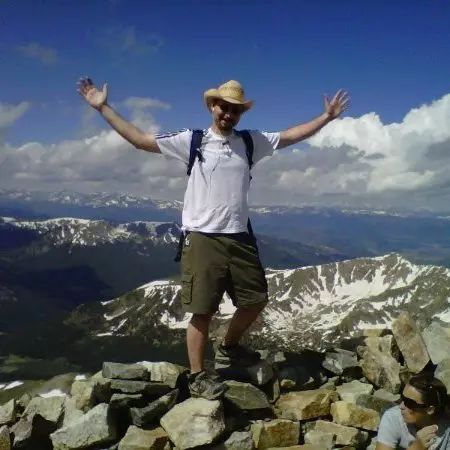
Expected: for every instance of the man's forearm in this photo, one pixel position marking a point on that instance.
(126, 129)
(303, 131)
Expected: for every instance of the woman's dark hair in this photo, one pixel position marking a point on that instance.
(434, 392)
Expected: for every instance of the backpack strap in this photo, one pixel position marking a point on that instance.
(249, 147)
(194, 151)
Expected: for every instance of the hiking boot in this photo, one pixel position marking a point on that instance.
(236, 355)
(204, 385)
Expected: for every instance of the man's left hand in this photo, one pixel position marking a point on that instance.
(335, 107)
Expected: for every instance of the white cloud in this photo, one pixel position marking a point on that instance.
(352, 161)
(11, 113)
(45, 55)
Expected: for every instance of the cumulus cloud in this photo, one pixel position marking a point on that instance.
(45, 55)
(128, 40)
(11, 113)
(352, 161)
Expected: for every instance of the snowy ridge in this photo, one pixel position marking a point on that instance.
(310, 306)
(84, 232)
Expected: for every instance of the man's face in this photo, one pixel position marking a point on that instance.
(226, 115)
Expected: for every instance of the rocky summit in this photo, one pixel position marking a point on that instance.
(311, 401)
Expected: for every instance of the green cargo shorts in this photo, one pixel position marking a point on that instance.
(213, 264)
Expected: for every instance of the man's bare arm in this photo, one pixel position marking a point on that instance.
(99, 101)
(302, 131)
(333, 109)
(135, 136)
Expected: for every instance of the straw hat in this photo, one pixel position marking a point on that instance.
(231, 92)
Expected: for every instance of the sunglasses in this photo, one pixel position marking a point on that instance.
(412, 404)
(229, 108)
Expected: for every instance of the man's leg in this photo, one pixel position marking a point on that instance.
(197, 337)
(242, 318)
(248, 289)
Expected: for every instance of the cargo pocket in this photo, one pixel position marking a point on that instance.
(186, 288)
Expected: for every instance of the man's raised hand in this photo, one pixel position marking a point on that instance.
(339, 103)
(91, 94)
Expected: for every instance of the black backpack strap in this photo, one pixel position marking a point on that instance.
(194, 151)
(249, 147)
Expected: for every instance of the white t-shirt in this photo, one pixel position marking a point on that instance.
(216, 197)
(395, 433)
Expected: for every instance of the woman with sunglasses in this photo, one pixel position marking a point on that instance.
(420, 421)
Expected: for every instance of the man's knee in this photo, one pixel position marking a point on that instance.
(201, 319)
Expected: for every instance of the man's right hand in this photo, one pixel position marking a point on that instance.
(91, 94)
(427, 435)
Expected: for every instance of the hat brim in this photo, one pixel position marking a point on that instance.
(214, 94)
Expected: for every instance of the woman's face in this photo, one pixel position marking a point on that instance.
(414, 410)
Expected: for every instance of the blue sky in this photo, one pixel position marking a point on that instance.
(391, 56)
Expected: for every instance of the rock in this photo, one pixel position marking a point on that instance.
(410, 342)
(149, 389)
(239, 440)
(386, 395)
(5, 439)
(49, 409)
(349, 392)
(9, 412)
(126, 401)
(194, 422)
(437, 341)
(345, 413)
(138, 439)
(124, 371)
(22, 431)
(372, 402)
(71, 412)
(339, 360)
(304, 405)
(323, 440)
(83, 394)
(246, 396)
(442, 373)
(154, 411)
(164, 372)
(276, 433)
(344, 435)
(381, 369)
(385, 344)
(93, 428)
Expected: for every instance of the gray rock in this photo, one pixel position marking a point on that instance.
(442, 373)
(124, 371)
(8, 412)
(239, 440)
(126, 401)
(372, 402)
(410, 342)
(194, 422)
(275, 433)
(22, 431)
(155, 410)
(246, 396)
(437, 341)
(340, 360)
(50, 409)
(137, 439)
(164, 372)
(96, 427)
(349, 392)
(149, 389)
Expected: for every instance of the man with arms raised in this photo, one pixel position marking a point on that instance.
(219, 253)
